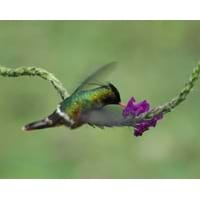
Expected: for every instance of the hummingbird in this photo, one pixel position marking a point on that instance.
(99, 106)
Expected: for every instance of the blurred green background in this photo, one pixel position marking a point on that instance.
(155, 60)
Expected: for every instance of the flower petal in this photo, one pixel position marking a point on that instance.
(134, 109)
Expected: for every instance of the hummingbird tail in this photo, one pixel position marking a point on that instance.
(49, 122)
(38, 125)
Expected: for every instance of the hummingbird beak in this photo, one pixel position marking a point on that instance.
(123, 105)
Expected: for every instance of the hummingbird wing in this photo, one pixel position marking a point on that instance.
(109, 116)
(102, 71)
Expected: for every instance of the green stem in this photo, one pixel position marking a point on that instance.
(35, 71)
(169, 106)
(166, 108)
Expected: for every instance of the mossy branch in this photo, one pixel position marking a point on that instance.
(35, 71)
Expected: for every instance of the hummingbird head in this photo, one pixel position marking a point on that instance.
(113, 97)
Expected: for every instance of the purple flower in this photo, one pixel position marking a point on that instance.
(133, 109)
(143, 126)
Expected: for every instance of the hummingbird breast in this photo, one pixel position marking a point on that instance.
(86, 100)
